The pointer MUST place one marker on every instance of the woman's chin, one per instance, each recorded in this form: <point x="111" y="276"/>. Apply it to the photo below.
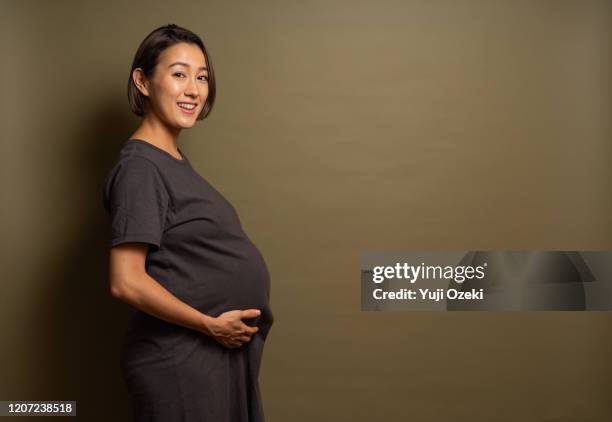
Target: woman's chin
<point x="185" y="123"/>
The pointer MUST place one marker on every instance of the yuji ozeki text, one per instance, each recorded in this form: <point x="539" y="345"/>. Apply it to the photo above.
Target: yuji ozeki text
<point x="412" y="273"/>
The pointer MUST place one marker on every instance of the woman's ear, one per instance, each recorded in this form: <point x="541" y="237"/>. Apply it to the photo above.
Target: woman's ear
<point x="140" y="81"/>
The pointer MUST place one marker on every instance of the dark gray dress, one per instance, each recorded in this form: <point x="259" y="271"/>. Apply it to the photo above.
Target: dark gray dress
<point x="199" y="252"/>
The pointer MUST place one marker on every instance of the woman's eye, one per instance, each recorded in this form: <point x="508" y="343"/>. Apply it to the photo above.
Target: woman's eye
<point x="203" y="78"/>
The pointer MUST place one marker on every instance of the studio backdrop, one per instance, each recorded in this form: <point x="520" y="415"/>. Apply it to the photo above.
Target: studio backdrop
<point x="340" y="127"/>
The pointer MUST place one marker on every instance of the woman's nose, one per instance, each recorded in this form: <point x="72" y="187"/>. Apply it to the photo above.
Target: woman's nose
<point x="191" y="89"/>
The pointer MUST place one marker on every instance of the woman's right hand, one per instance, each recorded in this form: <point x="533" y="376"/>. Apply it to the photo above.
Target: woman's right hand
<point x="229" y="330"/>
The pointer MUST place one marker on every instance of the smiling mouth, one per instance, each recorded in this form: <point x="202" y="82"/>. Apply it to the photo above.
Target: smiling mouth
<point x="187" y="108"/>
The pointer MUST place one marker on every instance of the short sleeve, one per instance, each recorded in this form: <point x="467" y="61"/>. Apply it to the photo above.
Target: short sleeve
<point x="137" y="201"/>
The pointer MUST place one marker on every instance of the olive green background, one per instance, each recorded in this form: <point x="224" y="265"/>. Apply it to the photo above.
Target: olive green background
<point x="339" y="127"/>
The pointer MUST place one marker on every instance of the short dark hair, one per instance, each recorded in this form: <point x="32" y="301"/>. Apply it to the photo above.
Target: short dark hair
<point x="147" y="57"/>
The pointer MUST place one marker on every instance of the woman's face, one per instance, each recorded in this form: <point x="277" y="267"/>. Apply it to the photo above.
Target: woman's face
<point x="178" y="88"/>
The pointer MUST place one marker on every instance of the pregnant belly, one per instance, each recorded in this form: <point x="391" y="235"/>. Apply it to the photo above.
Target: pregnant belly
<point x="217" y="279"/>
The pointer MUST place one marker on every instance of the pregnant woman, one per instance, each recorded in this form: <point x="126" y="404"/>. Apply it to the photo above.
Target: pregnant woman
<point x="198" y="286"/>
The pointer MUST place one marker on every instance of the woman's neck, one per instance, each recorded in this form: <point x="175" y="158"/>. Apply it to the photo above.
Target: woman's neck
<point x="154" y="131"/>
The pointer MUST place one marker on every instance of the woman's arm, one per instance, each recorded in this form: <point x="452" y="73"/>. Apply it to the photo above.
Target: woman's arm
<point x="130" y="283"/>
